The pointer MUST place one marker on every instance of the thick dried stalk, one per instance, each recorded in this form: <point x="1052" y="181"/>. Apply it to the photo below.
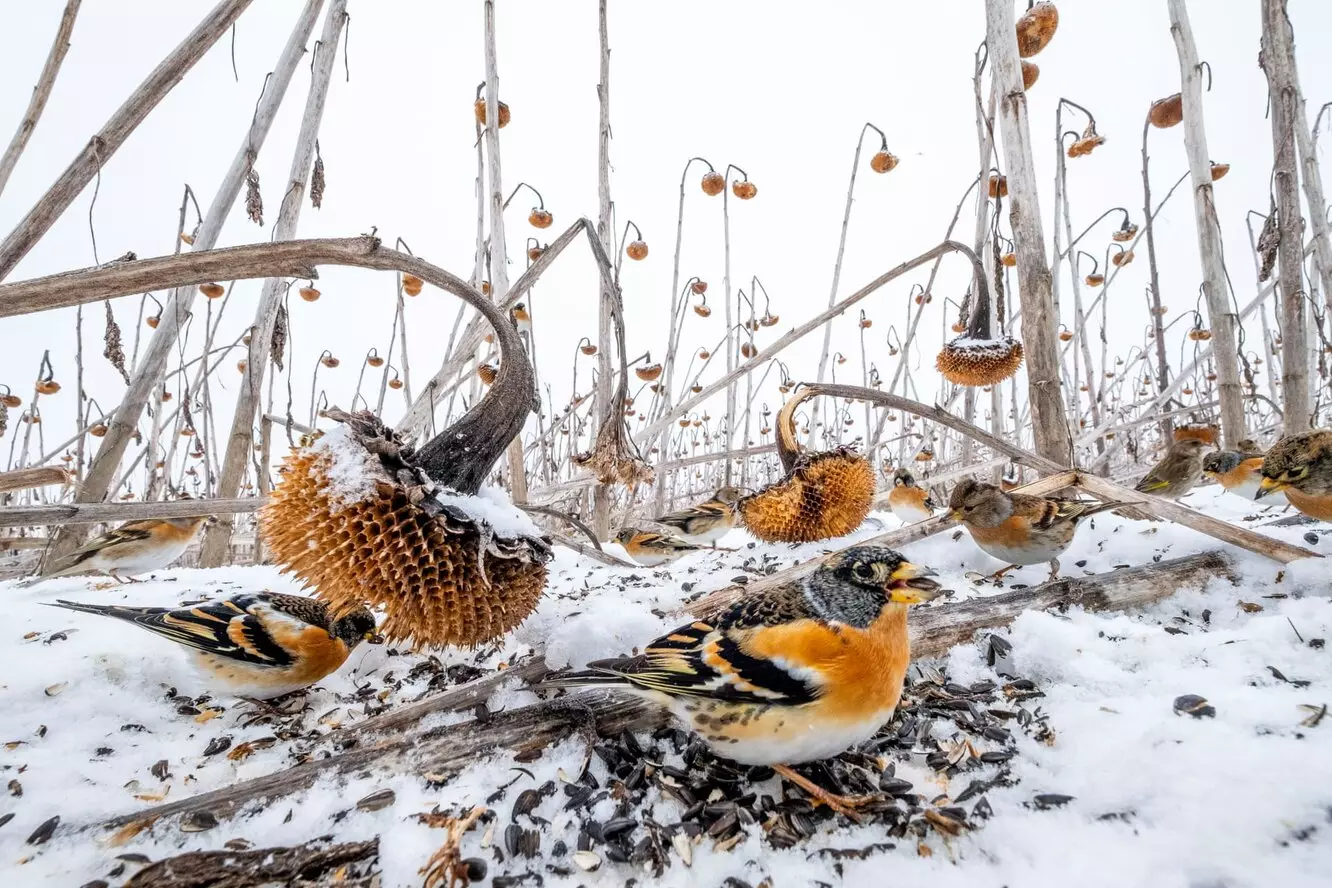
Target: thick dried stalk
<point x="27" y="479"/>
<point x="603" y="403"/>
<point x="40" y="93"/>
<point x="1277" y="57"/>
<point x="113" y="134"/>
<point x="97" y="513"/>
<point x="1039" y="321"/>
<point x="240" y="441"/>
<point x="1220" y="307"/>
<point x="1312" y="179"/>
<point x="177" y="311"/>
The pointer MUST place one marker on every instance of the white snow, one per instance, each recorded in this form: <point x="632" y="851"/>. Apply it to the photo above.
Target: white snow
<point x="353" y="470"/>
<point x="493" y="506"/>
<point x="1159" y="799"/>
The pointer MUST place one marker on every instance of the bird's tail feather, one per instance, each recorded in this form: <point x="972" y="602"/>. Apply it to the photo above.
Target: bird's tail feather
<point x="585" y="679"/>
<point x="102" y="610"/>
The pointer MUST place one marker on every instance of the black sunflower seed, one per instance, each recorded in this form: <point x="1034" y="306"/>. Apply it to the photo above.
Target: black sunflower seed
<point x="6" y="817"/>
<point x="476" y="869"/>
<point x="161" y="770"/>
<point x="42" y="834"/>
<point x="527" y="802"/>
<point x="197" y="821"/>
<point x="1196" y="706"/>
<point x="377" y="800"/>
<point x="1047" y="800"/>
<point x="218" y="744"/>
<point x="613" y="829"/>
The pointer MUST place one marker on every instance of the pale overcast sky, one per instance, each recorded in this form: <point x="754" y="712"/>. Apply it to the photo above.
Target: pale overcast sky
<point x="780" y="90"/>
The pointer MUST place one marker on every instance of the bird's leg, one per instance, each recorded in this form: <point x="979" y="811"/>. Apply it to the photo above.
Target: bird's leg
<point x="999" y="574"/>
<point x="1054" y="570"/>
<point x="844" y="805"/>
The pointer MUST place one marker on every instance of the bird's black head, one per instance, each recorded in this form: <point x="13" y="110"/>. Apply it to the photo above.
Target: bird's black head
<point x="1221" y="462"/>
<point x="853" y="586"/>
<point x="356" y="627"/>
<point x="902" y="478"/>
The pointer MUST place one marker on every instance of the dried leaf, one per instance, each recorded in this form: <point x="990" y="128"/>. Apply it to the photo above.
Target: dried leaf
<point x="254" y="204"/>
<point x="317" y="180"/>
<point x="111" y="339"/>
<point x="1268" y="242"/>
<point x="278" y="343"/>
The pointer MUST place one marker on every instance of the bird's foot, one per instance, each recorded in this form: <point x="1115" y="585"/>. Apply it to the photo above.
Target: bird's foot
<point x="1054" y="571"/>
<point x="1001" y="573"/>
<point x="841" y="804"/>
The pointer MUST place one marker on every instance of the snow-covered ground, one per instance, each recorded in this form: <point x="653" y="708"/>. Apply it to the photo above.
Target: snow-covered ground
<point x="100" y="718"/>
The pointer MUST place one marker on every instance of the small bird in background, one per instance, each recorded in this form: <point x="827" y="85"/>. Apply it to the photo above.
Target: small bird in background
<point x="1178" y="472"/>
<point x="707" y="522"/>
<point x="908" y="502"/>
<point x="1238" y="474"/>
<point x="522" y="318"/>
<point x="794" y="674"/>
<point x="1250" y="448"/>
<point x="135" y="547"/>
<point x="652" y="549"/>
<point x="259" y="645"/>
<point x="1018" y="528"/>
<point x="1301" y="467"/>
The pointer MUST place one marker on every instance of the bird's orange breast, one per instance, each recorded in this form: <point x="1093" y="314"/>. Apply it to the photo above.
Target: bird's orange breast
<point x="1015" y="531"/>
<point x="861" y="670"/>
<point x="1319" y="507"/>
<point x="1240" y="475"/>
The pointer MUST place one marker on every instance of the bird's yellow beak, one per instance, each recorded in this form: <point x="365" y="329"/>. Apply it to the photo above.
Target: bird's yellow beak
<point x="955" y="514"/>
<point x="909" y="584"/>
<point x="374" y="637"/>
<point x="1270" y="485"/>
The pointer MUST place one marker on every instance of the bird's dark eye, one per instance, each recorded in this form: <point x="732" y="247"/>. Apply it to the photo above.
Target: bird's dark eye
<point x="968" y="508"/>
<point x="863" y="570"/>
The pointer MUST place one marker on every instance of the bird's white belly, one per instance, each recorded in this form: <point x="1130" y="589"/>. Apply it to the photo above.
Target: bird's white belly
<point x="909" y="514"/>
<point x="782" y="735"/>
<point x="141" y="562"/>
<point x="707" y="537"/>
<point x="651" y="559"/>
<point x="1249" y="490"/>
<point x="1029" y="554"/>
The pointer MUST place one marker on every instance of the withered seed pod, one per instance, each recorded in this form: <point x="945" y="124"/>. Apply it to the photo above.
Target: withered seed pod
<point x="534" y="253"/>
<point x="97" y="430"/>
<point x="714" y="183"/>
<point x="699" y="287"/>
<point x="1121" y="259"/>
<point x="1166" y="112"/>
<point x="883" y="162"/>
<point x="769" y="320"/>
<point x="648" y="372"/>
<point x="998" y="185"/>
<point x="153" y="320"/>
<point x="748" y="349"/>
<point x="744" y="189"/>
<point x="309" y="294"/>
<point x="11" y="401"/>
<point x="540" y="217"/>
<point x="480" y="109"/>
<point x="1008" y="260"/>
<point x="411" y="285"/>
<point x="1031" y="72"/>
<point x="395" y="383"/>
<point x="702" y="311"/>
<point x="374" y="361"/>
<point x="1124" y="233"/>
<point x="1035" y="28"/>
<point x="212" y="291"/>
<point x="637" y="250"/>
<point x="47" y="386"/>
<point x="587" y="347"/>
<point x="823" y="495"/>
<point x="696" y="388"/>
<point x="329" y="361"/>
<point x="241" y="365"/>
<point x="1219" y="170"/>
<point x="485" y="288"/>
<point x="367" y="519"/>
<point x="488" y="373"/>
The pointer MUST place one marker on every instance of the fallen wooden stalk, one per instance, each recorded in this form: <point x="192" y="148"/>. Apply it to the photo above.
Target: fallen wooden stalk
<point x="26" y="479"/>
<point x="446" y="751"/>
<point x="97" y="513"/>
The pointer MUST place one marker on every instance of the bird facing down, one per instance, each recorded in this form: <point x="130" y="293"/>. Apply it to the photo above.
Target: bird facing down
<point x="1018" y="528"/>
<point x="257" y="645"/>
<point x="1178" y="472"/>
<point x="908" y="502"/>
<point x="652" y="549"/>
<point x="1301" y="467"/>
<point x="1238" y="474"/>
<point x="134" y="547"/>
<point x="707" y="522"/>
<point x="795" y="674"/>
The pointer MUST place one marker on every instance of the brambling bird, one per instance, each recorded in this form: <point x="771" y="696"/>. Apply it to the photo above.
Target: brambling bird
<point x="651" y="549"/>
<point x="1301" y="467"/>
<point x="1018" y="528"/>
<point x="908" y="502"/>
<point x="134" y="547"/>
<point x="1250" y="448"/>
<point x="1178" y="472"/>
<point x="795" y="674"/>
<point x="707" y="522"/>
<point x="522" y="318"/>
<point x="1237" y="473"/>
<point x="258" y="645"/>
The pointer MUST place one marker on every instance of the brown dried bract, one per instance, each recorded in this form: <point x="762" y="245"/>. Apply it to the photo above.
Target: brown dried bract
<point x="1036" y="28"/>
<point x="1166" y="112"/>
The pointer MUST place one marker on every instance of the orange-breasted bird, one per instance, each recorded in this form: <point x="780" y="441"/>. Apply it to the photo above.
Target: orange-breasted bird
<point x="1301" y="467"/>
<point x="260" y="644"/>
<point x="908" y="502"/>
<point x="1178" y="472"/>
<point x="707" y="522"/>
<point x="794" y="674"/>
<point x="1018" y="528"/>
<point x="652" y="549"/>
<point x="522" y="318"/>
<point x="134" y="547"/>
<point x="1238" y="474"/>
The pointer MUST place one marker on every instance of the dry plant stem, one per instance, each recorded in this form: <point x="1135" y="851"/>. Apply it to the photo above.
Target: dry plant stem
<point x="1312" y="179"/>
<point x="1270" y="377"/>
<point x="1039" y="322"/>
<point x="98" y="513"/>
<point x="443" y="456"/>
<point x="40" y="93"/>
<point x="447" y="750"/>
<point x="1153" y="288"/>
<point x="1220" y="306"/>
<point x="28" y="479"/>
<point x="113" y="134"/>
<point x="177" y="310"/>
<point x="499" y="255"/>
<point x="1278" y="60"/>
<point x="603" y="403"/>
<point x="240" y="440"/>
